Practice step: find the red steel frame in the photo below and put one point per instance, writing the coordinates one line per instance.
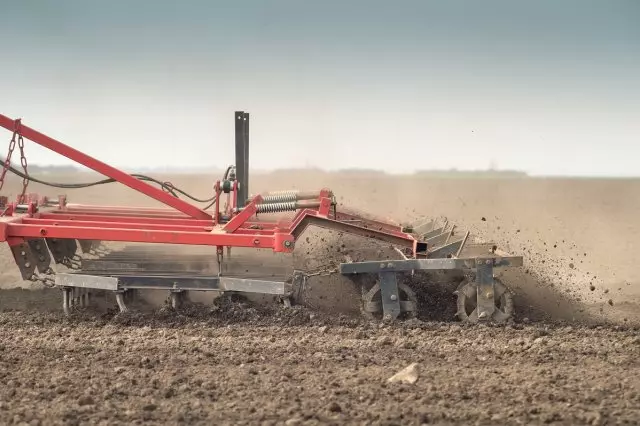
(181, 222)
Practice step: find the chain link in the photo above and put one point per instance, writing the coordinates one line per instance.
(7, 160)
(17, 137)
(23, 162)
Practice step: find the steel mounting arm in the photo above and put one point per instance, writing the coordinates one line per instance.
(104, 169)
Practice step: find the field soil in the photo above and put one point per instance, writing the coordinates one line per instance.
(570, 356)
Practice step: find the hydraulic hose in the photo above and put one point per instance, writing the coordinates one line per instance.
(168, 187)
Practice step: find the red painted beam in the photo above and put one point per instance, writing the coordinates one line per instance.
(141, 236)
(89, 223)
(132, 213)
(185, 221)
(105, 169)
(124, 218)
(115, 225)
(166, 210)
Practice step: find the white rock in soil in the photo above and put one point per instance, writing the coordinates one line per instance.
(408, 375)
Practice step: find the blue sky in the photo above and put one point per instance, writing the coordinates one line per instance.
(548, 87)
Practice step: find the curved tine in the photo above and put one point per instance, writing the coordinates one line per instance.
(65, 301)
(120, 300)
(175, 299)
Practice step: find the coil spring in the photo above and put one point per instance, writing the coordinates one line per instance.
(277, 207)
(280, 197)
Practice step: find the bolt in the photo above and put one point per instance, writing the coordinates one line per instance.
(382, 265)
(256, 242)
(23, 253)
(489, 295)
(393, 297)
(288, 244)
(488, 262)
(27, 264)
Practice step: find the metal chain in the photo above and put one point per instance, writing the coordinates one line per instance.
(7, 161)
(322, 272)
(23, 162)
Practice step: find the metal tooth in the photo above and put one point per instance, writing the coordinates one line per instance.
(277, 207)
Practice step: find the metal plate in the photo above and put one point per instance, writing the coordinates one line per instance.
(486, 304)
(25, 260)
(41, 254)
(170, 282)
(424, 264)
(87, 281)
(390, 295)
(252, 286)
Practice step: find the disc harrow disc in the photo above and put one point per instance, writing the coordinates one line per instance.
(468, 299)
(372, 302)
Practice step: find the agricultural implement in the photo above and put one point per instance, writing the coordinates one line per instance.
(65, 245)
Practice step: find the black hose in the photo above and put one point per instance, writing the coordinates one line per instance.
(168, 187)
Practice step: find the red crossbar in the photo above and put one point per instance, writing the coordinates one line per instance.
(124, 218)
(103, 168)
(126, 225)
(85, 232)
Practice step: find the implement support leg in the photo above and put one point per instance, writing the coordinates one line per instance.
(390, 297)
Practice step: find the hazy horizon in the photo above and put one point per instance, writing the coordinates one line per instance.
(547, 87)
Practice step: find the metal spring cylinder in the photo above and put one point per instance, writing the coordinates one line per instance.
(277, 207)
(280, 197)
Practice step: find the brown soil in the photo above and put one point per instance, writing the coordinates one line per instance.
(240, 365)
(230, 361)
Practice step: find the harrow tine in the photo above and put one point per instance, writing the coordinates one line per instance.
(450, 235)
(66, 303)
(440, 239)
(177, 299)
(449, 250)
(424, 227)
(436, 231)
(120, 300)
(463, 243)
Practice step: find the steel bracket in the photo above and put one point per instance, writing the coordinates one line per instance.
(25, 259)
(485, 289)
(390, 295)
(41, 254)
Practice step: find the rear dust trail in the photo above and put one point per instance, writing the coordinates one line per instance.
(238, 365)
